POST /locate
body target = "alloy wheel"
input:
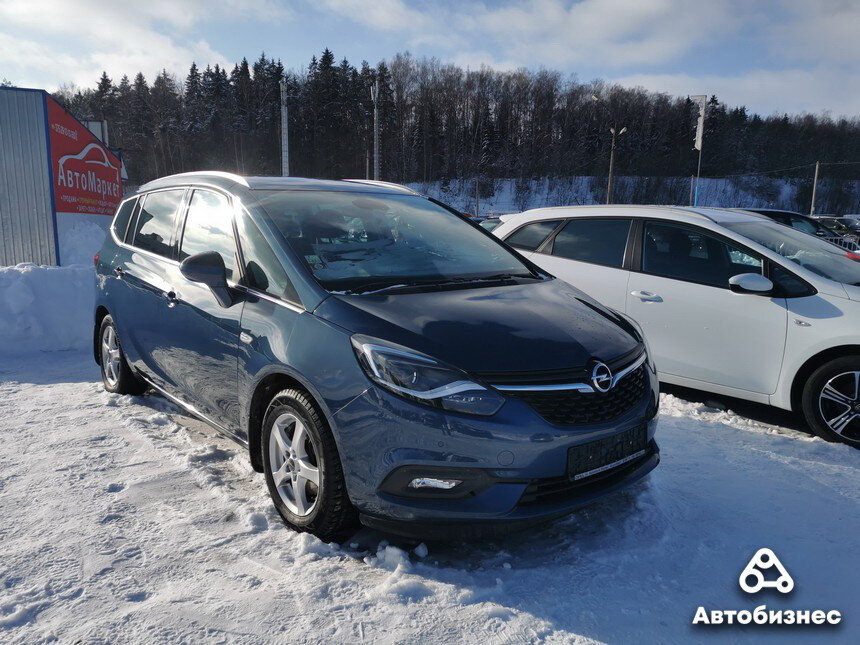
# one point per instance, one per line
(293, 458)
(839, 405)
(110, 356)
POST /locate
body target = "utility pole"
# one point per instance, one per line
(374, 95)
(692, 181)
(612, 162)
(814, 188)
(477, 203)
(285, 136)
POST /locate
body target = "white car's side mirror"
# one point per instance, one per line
(750, 283)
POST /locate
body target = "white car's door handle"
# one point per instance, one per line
(646, 296)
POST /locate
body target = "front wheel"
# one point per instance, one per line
(302, 467)
(831, 401)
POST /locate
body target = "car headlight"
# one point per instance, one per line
(423, 379)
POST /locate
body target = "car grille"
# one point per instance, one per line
(572, 408)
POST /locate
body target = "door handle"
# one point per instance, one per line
(646, 296)
(172, 298)
(118, 272)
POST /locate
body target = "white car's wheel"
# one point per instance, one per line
(831, 400)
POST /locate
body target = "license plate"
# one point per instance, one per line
(599, 456)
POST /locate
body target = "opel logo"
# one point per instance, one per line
(601, 377)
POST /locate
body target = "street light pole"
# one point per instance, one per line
(612, 162)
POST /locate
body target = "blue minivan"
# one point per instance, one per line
(382, 359)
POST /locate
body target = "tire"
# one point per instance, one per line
(831, 401)
(116, 373)
(311, 493)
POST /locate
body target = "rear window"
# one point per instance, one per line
(155, 221)
(531, 236)
(598, 241)
(123, 215)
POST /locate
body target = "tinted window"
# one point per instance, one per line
(694, 256)
(599, 241)
(789, 285)
(356, 241)
(805, 225)
(209, 227)
(155, 221)
(123, 215)
(530, 236)
(263, 270)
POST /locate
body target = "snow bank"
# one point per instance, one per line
(81, 237)
(45, 308)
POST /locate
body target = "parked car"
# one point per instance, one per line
(730, 302)
(807, 225)
(840, 226)
(490, 223)
(379, 356)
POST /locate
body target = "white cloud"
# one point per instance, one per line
(52, 42)
(765, 91)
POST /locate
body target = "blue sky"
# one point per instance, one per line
(771, 55)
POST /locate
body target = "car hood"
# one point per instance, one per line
(533, 326)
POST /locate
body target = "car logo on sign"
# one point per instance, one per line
(601, 377)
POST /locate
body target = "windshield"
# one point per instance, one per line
(360, 241)
(820, 257)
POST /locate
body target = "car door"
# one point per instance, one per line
(142, 271)
(698, 328)
(200, 336)
(589, 254)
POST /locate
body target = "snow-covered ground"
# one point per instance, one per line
(123, 520)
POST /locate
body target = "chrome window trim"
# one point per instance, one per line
(265, 296)
(578, 387)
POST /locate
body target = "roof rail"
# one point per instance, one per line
(212, 173)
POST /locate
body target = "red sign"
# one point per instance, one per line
(87, 176)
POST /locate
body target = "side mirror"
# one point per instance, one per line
(750, 283)
(208, 268)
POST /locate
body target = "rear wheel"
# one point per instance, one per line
(302, 467)
(116, 374)
(831, 400)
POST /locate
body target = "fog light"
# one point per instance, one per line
(432, 482)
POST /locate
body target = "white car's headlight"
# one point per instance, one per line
(421, 378)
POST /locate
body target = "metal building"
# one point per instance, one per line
(55, 176)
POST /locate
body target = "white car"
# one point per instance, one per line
(729, 301)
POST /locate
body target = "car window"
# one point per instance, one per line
(354, 241)
(812, 253)
(209, 227)
(530, 236)
(804, 225)
(788, 284)
(263, 270)
(123, 215)
(692, 255)
(155, 221)
(599, 241)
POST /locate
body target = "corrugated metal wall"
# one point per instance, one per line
(26, 217)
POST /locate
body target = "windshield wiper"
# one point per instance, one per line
(389, 285)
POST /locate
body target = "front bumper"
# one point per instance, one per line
(520, 461)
